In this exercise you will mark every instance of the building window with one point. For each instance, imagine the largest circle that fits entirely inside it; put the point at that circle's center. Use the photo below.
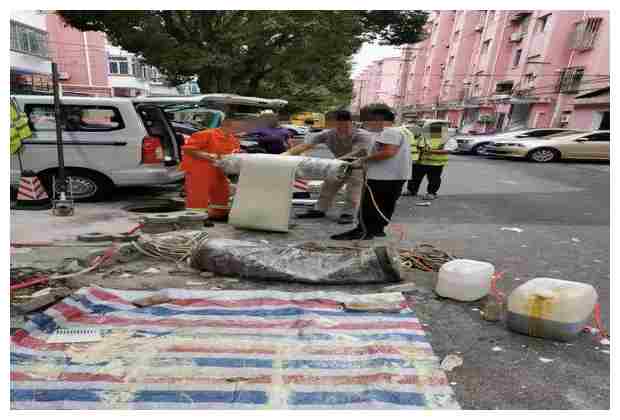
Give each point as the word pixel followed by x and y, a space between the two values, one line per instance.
pixel 570 78
pixel 118 65
pixel 585 33
pixel 565 119
pixel 529 80
pixel 28 40
pixel 542 23
pixel 517 58
pixel 504 88
pixel 485 47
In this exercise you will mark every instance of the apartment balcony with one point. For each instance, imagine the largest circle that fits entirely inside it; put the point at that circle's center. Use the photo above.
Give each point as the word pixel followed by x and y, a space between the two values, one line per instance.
pixel 519 15
pixel 517 36
pixel 585 34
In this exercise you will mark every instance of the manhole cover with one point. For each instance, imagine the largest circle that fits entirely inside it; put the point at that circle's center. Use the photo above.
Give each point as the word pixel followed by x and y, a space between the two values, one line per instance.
pixel 158 206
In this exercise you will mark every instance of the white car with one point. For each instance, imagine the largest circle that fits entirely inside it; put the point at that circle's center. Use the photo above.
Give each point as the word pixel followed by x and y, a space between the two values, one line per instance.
pixel 111 142
pixel 477 144
pixel 107 142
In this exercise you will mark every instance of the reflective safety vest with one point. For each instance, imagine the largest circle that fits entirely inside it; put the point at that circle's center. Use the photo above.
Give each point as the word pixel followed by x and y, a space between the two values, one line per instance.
pixel 413 142
pixel 20 129
pixel 431 159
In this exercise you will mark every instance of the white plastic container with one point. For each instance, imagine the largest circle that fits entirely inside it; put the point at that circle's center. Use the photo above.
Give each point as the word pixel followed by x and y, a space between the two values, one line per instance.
pixel 465 280
pixel 551 308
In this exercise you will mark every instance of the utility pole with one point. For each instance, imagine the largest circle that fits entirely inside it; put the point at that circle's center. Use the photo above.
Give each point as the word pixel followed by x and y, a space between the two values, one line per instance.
pixel 62 206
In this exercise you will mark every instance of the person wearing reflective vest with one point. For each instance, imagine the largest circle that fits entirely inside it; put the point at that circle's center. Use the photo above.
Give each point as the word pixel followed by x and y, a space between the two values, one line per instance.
pixel 20 129
pixel 431 162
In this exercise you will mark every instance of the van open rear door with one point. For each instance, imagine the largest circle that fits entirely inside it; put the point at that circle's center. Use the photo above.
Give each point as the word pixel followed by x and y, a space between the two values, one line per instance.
pixel 161 144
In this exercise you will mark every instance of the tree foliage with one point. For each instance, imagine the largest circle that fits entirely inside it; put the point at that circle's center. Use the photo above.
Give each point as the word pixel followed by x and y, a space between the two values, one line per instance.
pixel 303 56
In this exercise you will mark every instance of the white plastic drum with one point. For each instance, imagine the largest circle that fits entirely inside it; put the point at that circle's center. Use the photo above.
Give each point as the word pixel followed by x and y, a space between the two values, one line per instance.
pixel 465 280
pixel 551 308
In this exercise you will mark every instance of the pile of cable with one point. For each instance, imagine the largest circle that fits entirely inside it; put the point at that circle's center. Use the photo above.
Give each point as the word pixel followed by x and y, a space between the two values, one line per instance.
pixel 424 257
pixel 171 246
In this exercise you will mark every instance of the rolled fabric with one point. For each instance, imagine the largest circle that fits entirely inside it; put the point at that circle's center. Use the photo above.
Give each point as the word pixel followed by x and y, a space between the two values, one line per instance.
pixel 309 168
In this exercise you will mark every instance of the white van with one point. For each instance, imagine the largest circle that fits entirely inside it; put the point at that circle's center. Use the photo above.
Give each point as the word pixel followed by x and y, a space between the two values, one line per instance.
pixel 107 142
pixel 112 142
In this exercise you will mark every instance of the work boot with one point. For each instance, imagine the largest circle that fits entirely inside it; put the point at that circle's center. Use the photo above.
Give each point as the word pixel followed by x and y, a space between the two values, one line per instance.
pixel 312 214
pixel 356 234
pixel 345 219
pixel 429 197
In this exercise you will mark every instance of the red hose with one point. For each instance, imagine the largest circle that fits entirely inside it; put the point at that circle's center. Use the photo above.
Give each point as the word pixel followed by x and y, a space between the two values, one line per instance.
pixel 499 295
pixel 135 229
pixel 31 281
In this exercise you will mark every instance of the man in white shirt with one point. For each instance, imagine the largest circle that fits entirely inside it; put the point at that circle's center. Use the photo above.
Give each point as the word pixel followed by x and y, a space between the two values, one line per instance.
pixel 389 167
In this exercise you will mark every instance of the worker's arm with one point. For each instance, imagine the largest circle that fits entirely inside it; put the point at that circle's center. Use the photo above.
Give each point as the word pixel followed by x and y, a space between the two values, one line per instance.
pixel 201 155
pixel 385 151
pixel 298 150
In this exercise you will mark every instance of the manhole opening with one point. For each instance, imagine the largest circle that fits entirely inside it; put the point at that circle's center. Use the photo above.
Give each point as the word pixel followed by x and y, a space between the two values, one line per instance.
pixel 163 206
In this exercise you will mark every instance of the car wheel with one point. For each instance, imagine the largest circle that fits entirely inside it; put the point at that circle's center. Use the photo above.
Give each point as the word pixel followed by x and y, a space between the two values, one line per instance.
pixel 83 185
pixel 479 148
pixel 543 155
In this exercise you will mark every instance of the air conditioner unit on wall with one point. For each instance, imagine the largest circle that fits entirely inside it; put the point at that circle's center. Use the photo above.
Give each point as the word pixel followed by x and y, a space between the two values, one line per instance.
pixel 516 37
pixel 479 27
pixel 63 75
pixel 565 118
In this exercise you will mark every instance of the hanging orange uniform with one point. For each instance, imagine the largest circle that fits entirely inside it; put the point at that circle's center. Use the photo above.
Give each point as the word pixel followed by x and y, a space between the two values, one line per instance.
pixel 205 183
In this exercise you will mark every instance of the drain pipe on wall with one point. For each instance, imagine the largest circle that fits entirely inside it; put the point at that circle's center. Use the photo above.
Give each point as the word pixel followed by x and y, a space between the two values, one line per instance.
pixel 561 96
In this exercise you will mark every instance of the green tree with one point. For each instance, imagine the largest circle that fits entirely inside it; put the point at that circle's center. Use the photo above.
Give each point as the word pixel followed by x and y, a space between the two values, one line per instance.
pixel 303 56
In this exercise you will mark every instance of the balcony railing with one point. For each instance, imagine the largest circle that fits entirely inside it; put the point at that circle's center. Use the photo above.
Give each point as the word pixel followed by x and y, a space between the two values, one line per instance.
pixel 519 15
pixel 585 34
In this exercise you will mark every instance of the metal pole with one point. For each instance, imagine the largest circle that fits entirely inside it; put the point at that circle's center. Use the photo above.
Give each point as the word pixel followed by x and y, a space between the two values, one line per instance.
pixel 58 117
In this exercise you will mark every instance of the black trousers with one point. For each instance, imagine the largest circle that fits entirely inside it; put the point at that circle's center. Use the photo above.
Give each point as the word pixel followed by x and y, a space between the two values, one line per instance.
pixel 386 194
pixel 418 172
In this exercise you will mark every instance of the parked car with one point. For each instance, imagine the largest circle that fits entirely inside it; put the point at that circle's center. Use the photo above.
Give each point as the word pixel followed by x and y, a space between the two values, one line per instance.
pixel 477 144
pixel 112 142
pixel 582 145
pixel 107 142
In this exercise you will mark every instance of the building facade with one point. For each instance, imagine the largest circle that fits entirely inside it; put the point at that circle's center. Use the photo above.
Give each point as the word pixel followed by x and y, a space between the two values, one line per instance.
pixel 87 63
pixel 486 70
pixel 378 83
pixel 29 54
pixel 81 58
pixel 130 76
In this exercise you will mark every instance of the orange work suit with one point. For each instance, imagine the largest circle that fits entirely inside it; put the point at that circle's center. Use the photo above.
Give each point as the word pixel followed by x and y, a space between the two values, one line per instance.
pixel 205 183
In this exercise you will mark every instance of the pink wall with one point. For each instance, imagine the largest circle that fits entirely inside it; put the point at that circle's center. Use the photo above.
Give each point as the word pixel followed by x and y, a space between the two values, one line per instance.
pixel 67 47
pixel 379 83
pixel 459 54
pixel 449 62
pixel 438 52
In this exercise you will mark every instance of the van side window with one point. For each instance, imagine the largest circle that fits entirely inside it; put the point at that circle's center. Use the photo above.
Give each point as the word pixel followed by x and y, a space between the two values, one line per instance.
pixel 89 118
pixel 40 117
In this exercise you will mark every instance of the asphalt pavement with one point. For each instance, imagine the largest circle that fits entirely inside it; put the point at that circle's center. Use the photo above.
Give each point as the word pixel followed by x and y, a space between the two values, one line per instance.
pixel 564 214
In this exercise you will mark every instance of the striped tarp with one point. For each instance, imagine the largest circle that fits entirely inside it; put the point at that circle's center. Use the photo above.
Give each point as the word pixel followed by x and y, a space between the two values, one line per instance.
pixel 227 350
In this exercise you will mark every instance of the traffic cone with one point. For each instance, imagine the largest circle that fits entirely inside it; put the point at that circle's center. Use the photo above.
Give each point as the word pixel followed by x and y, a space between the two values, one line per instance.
pixel 31 194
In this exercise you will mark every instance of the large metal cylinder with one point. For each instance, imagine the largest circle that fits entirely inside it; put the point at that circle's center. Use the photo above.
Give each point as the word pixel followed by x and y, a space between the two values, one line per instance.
pixel 259 261
pixel 309 168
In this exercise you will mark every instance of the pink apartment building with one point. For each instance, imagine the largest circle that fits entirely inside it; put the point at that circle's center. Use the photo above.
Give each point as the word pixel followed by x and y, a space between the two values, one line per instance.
pixel 496 70
pixel 379 82
pixel 81 57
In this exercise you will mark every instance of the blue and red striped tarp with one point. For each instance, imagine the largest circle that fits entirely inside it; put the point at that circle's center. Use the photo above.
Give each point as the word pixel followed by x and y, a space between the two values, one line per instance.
pixel 227 350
